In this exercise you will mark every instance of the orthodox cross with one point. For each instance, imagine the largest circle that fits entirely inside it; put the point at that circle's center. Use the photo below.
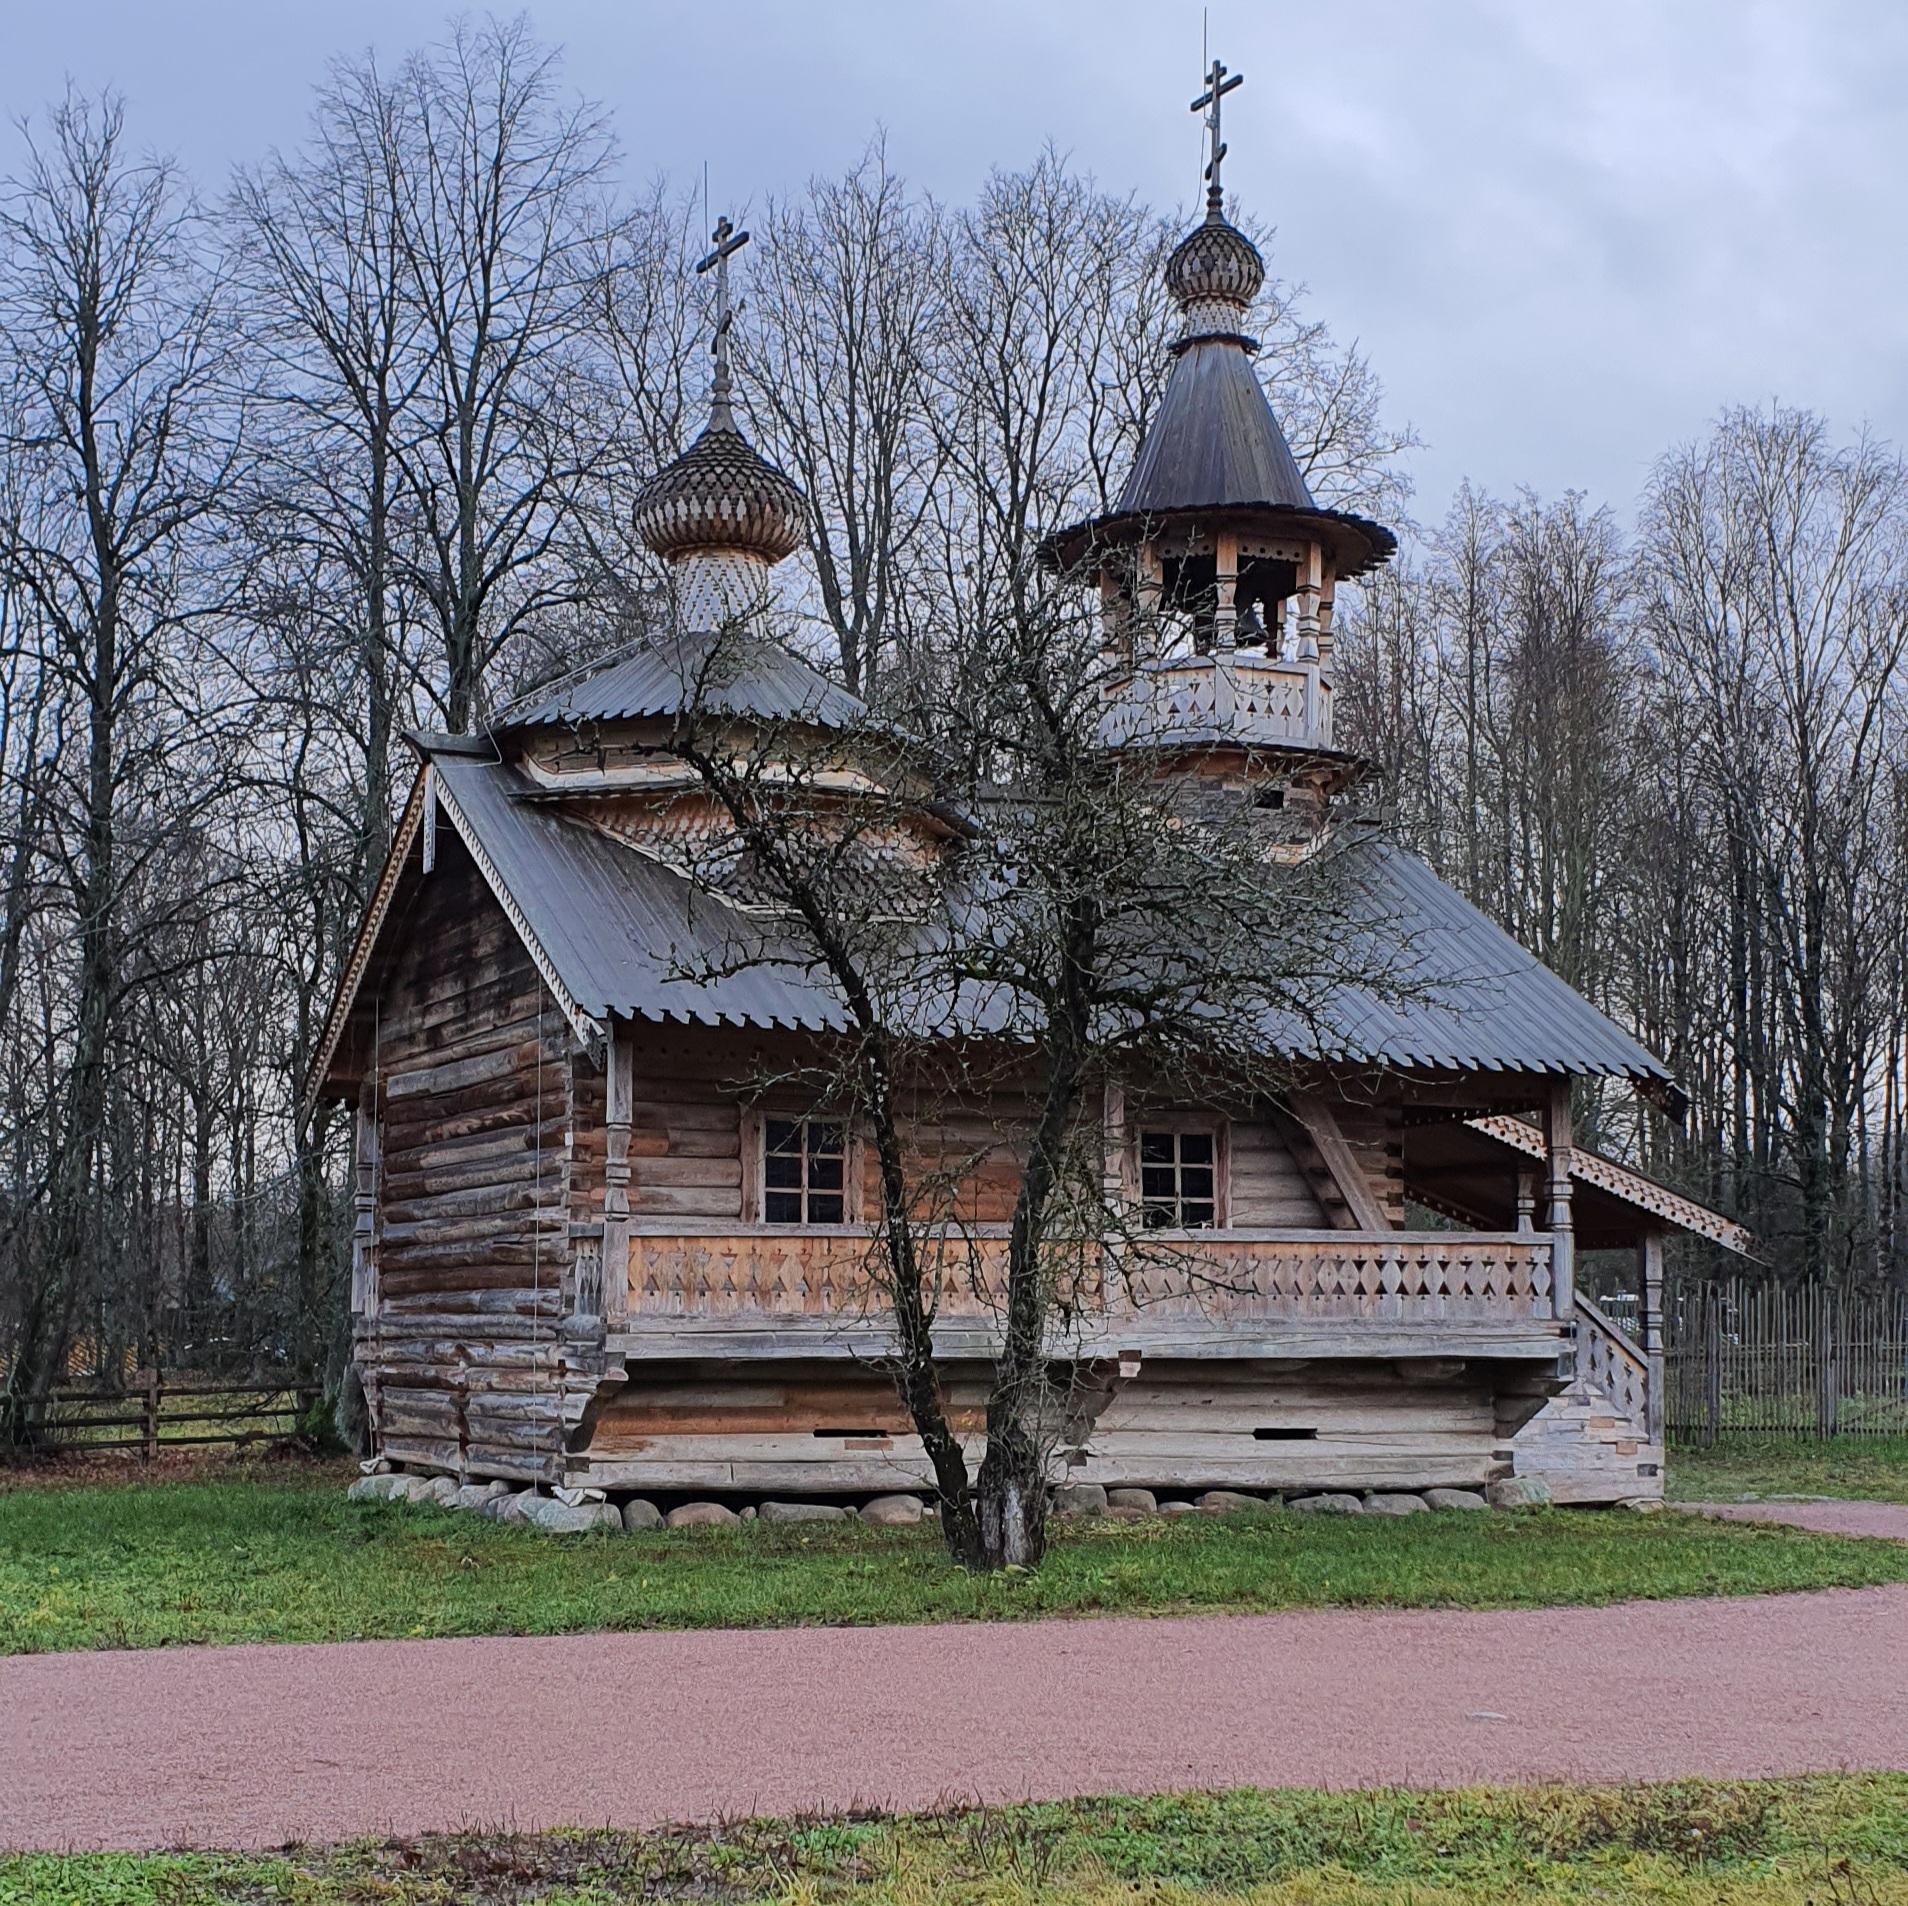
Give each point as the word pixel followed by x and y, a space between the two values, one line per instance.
pixel 728 241
pixel 1217 87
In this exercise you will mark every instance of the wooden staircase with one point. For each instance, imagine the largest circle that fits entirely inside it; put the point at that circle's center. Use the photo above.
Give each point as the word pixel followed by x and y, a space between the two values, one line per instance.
pixel 1601 1439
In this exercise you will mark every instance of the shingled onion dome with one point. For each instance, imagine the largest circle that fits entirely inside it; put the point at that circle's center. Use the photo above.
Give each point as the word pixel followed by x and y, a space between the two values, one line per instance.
pixel 722 515
pixel 721 494
pixel 1214 274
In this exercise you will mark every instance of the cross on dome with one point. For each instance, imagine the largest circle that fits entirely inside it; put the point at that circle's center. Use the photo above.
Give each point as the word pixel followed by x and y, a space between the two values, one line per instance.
pixel 727 242
pixel 1218 85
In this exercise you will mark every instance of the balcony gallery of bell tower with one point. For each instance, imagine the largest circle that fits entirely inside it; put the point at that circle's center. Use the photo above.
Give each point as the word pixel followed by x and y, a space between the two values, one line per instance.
pixel 1216 568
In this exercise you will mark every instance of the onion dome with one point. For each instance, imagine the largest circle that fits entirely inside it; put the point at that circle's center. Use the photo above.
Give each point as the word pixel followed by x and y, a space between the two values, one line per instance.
pixel 721 494
pixel 1215 263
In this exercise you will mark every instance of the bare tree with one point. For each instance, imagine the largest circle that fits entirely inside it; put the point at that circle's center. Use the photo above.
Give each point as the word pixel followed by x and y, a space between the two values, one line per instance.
pixel 501 230
pixel 1095 923
pixel 123 434
pixel 846 317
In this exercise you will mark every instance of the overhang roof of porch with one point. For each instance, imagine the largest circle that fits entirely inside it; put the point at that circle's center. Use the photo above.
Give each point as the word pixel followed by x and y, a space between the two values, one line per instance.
pixel 1469 1169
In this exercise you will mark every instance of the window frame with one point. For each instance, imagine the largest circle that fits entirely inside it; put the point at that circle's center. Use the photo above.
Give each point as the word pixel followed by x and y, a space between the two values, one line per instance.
pixel 1194 1125
pixel 755 1157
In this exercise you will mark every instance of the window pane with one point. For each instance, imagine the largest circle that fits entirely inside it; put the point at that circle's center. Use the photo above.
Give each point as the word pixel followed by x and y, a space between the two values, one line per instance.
pixel 1158 1216
pixel 1156 1148
pixel 1195 1148
pixel 782 1134
pixel 824 1138
pixel 782 1207
pixel 1195 1213
pixel 824 1174
pixel 1196 1182
pixel 1159 1181
pixel 824 1207
pixel 781 1170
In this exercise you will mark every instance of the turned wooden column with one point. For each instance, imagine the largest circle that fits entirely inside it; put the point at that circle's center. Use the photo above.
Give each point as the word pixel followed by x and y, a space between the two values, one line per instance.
pixel 1649 1323
pixel 1225 614
pixel 1563 1252
pixel 1310 585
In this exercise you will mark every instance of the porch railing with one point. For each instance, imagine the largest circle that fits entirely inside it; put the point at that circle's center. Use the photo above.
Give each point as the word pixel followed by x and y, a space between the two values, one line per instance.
pixel 1227 1276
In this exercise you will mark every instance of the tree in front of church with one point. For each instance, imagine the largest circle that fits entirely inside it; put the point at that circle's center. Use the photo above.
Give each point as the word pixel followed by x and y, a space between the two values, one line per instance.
pixel 1019 925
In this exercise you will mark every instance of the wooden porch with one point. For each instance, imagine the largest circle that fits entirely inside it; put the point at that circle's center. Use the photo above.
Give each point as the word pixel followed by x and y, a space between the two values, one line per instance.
pixel 768 1290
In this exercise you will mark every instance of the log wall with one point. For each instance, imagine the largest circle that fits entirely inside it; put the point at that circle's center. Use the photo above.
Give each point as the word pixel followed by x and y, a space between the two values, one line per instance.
pixel 816 1429
pixel 693 1141
pixel 470 1358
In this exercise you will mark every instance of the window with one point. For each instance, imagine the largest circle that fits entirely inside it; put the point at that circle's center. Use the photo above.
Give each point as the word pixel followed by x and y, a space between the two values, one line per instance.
pixel 1179 1182
pixel 804 1171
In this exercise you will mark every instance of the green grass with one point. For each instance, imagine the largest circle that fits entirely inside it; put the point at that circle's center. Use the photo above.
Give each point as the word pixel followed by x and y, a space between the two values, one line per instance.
pixel 1872 1468
pixel 1839 1841
pixel 246 1558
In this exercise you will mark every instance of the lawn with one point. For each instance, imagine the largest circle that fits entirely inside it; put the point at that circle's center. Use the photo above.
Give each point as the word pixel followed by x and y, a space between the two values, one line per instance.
pixel 262 1556
pixel 1837 1840
pixel 1874 1468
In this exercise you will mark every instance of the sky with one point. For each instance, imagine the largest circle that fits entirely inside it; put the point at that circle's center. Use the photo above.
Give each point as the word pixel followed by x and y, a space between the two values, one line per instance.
pixel 1566 232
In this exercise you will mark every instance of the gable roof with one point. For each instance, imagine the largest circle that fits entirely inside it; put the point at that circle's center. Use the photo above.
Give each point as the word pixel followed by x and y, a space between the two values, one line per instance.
pixel 1469 997
pixel 616 933
pixel 1621 1183
pixel 624 933
pixel 721 672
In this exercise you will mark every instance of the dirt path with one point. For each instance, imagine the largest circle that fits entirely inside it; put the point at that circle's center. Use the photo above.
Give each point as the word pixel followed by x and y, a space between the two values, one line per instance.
pixel 1841 1517
pixel 254 1746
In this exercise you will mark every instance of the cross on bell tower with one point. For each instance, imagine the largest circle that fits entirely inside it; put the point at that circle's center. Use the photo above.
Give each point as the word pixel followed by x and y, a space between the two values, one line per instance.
pixel 1218 85
pixel 727 241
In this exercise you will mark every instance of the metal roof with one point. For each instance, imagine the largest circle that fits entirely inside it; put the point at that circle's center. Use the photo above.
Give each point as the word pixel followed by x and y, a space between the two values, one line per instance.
pixel 625 935
pixel 726 672
pixel 1463 995
pixel 1215 446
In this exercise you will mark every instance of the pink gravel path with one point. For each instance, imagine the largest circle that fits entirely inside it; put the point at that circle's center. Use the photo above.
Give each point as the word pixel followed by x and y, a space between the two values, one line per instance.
pixel 247 1747
pixel 1886 1519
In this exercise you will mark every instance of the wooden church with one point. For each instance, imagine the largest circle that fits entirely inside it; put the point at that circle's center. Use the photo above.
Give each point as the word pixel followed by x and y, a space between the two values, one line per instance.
pixel 590 1253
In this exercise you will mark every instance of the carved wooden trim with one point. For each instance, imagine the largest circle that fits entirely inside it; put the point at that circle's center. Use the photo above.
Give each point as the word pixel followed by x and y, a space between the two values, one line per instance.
pixel 363 946
pixel 1621 1182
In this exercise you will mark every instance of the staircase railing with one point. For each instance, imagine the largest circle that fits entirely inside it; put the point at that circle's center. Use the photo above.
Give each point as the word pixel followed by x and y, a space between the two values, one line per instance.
pixel 1613 1362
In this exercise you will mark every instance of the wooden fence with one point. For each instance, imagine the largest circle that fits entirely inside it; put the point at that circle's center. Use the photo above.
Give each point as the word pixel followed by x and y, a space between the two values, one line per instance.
pixel 157 1412
pixel 1758 1357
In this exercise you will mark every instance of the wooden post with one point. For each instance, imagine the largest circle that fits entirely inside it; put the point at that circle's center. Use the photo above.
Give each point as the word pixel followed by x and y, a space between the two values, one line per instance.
pixel 1310 583
pixel 1563 1256
pixel 1649 1321
pixel 619 1107
pixel 149 1410
pixel 1113 1192
pixel 1225 615
pixel 1116 624
pixel 1526 1201
pixel 1147 594
pixel 1828 1388
pixel 364 1204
